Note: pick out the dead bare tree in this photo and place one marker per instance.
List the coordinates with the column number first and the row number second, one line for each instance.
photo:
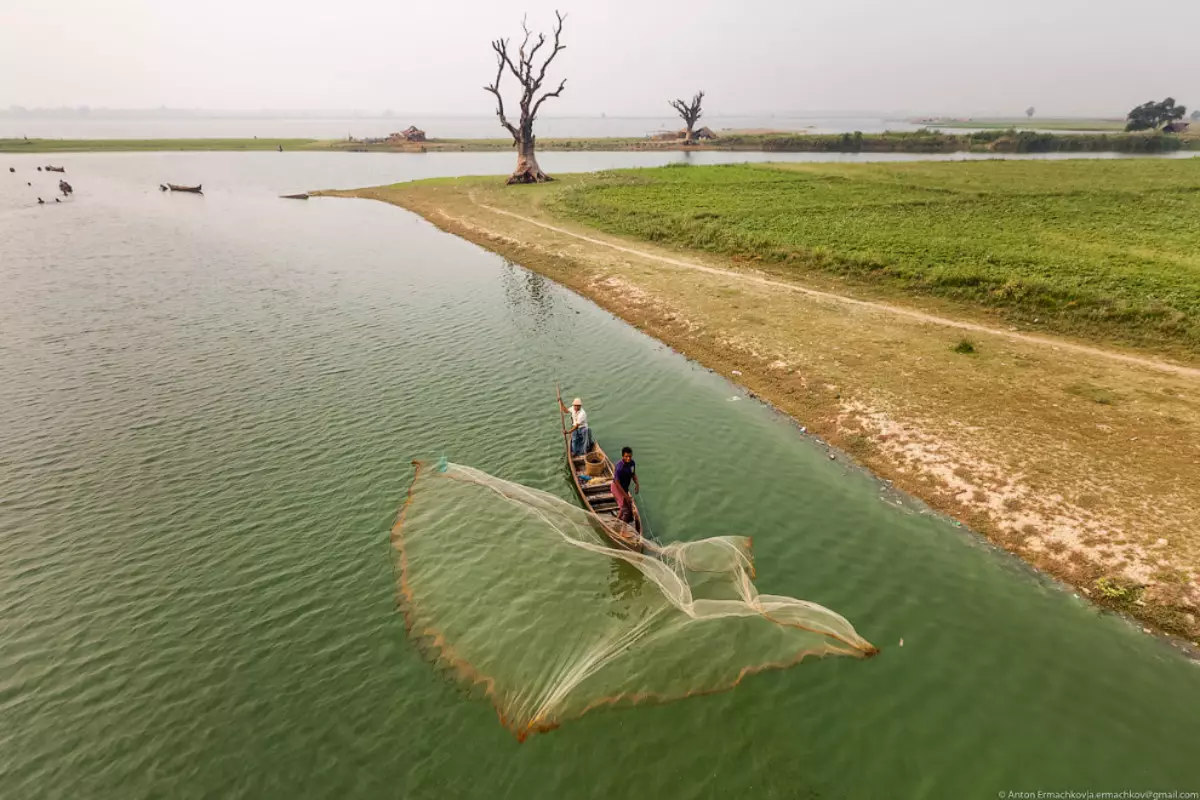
column 690, row 113
column 531, row 78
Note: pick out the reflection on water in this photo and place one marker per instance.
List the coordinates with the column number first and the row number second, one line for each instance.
column 527, row 295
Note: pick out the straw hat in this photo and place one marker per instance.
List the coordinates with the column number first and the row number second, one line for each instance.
column 576, row 402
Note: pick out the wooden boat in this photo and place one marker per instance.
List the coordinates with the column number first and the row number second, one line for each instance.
column 192, row 189
column 596, row 494
column 56, row 169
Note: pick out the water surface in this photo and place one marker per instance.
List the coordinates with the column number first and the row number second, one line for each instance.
column 208, row 411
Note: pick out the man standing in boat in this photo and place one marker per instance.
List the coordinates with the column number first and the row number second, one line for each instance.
column 581, row 435
column 624, row 473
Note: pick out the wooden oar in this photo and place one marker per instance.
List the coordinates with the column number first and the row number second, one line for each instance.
column 561, row 423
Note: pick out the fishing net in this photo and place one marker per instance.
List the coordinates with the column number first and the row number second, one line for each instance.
column 520, row 593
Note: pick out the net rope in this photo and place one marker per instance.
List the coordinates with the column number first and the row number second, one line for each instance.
column 519, row 593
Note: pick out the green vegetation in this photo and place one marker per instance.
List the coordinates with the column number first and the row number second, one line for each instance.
column 933, row 141
column 1096, row 394
column 123, row 145
column 1097, row 248
column 966, row 347
column 1117, row 592
column 1151, row 116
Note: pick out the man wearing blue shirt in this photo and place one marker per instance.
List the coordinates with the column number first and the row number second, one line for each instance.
column 625, row 472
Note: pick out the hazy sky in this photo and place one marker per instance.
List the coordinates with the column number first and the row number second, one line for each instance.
column 623, row 57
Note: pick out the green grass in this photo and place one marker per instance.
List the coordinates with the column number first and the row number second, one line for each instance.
column 1107, row 249
column 124, row 145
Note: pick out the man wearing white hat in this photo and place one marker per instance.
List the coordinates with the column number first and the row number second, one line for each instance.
column 581, row 435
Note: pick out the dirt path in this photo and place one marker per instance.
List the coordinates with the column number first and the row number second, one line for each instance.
column 1081, row 460
column 1151, row 363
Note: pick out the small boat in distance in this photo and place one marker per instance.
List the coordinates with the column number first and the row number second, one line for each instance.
column 592, row 475
column 56, row 169
column 301, row 196
column 192, row 189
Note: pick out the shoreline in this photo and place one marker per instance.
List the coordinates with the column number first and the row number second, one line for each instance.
column 923, row 141
column 906, row 434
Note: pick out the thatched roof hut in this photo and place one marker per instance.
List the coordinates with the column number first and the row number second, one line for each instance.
column 1178, row 126
column 704, row 133
column 411, row 134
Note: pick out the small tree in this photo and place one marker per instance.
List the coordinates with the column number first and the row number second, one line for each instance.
column 531, row 78
column 690, row 113
column 1152, row 115
column 1029, row 112
column 1196, row 116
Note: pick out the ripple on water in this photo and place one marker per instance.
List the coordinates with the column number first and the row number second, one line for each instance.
column 208, row 413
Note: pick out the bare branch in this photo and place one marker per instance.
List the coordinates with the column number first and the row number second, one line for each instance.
column 547, row 96
column 558, row 26
column 541, row 41
column 689, row 111
column 522, row 60
column 495, row 89
column 501, row 48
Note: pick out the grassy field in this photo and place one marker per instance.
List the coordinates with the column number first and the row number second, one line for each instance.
column 1107, row 249
column 1024, row 123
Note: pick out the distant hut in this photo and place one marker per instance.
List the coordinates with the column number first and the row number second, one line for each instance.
column 411, row 134
column 1178, row 126
column 703, row 133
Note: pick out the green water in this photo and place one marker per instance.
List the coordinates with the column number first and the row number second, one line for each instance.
column 207, row 414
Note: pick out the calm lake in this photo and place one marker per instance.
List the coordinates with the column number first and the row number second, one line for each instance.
column 208, row 410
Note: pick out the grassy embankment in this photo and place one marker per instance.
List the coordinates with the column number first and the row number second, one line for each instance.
column 1108, row 250
column 1083, row 461
column 924, row 141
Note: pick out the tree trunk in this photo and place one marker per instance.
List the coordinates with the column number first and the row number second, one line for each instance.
column 691, row 137
column 527, row 170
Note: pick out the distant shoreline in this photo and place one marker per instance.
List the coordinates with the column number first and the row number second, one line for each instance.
column 1024, row 123
column 923, row 141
